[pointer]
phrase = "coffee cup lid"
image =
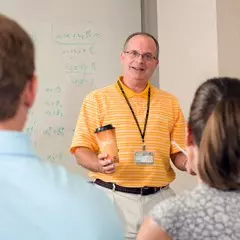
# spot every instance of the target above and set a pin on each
(104, 128)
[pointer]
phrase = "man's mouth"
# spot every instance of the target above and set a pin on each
(139, 69)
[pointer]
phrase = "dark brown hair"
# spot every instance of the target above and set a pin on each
(143, 34)
(215, 124)
(16, 65)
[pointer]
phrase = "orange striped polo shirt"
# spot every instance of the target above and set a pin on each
(165, 123)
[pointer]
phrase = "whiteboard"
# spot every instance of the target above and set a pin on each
(78, 44)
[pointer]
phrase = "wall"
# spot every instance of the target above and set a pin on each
(187, 33)
(149, 24)
(228, 26)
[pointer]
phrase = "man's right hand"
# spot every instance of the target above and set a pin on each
(106, 166)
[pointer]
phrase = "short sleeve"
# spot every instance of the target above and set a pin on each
(88, 121)
(166, 215)
(178, 128)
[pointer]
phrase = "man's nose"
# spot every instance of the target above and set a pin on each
(140, 58)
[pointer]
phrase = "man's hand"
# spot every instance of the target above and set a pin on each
(189, 168)
(181, 162)
(106, 165)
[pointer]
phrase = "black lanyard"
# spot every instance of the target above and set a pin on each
(134, 116)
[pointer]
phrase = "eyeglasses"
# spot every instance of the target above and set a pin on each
(145, 56)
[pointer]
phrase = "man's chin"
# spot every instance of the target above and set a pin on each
(140, 75)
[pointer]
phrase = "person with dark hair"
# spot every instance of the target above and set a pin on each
(146, 120)
(212, 209)
(39, 200)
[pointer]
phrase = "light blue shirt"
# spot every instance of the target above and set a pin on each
(39, 200)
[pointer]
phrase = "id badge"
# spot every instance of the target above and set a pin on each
(144, 157)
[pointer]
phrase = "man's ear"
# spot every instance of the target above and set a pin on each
(122, 57)
(30, 91)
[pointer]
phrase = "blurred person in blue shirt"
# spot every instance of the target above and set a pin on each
(39, 200)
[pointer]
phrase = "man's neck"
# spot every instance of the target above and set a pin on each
(14, 124)
(135, 85)
(11, 126)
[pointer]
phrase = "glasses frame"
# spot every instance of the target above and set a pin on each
(145, 56)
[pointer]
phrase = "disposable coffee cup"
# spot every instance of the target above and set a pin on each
(107, 142)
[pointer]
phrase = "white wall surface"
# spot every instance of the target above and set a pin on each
(187, 32)
(228, 22)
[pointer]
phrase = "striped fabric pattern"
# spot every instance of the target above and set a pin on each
(166, 123)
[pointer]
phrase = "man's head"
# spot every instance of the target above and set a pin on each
(140, 56)
(17, 81)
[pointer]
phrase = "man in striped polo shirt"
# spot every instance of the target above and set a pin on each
(147, 120)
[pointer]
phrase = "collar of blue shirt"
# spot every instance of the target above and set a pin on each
(14, 142)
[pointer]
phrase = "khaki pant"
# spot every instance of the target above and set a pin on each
(133, 207)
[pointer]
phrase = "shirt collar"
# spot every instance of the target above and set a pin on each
(13, 142)
(129, 92)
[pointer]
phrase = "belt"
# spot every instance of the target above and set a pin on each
(138, 190)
